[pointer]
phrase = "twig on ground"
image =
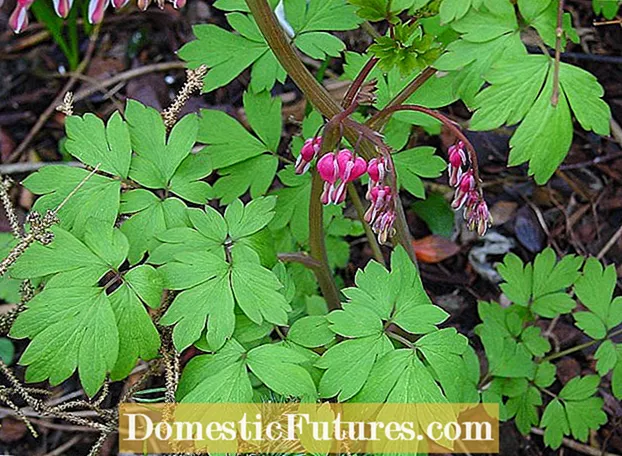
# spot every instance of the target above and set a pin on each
(28, 167)
(576, 446)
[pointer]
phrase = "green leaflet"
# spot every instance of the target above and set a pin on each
(224, 375)
(608, 8)
(244, 161)
(522, 89)
(158, 155)
(95, 144)
(194, 260)
(417, 163)
(575, 413)
(595, 290)
(541, 286)
(507, 348)
(69, 328)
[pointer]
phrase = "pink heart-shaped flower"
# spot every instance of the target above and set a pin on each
(327, 168)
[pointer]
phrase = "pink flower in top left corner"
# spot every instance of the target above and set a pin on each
(19, 18)
(96, 8)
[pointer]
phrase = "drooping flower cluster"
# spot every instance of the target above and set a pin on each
(19, 18)
(337, 169)
(468, 195)
(381, 213)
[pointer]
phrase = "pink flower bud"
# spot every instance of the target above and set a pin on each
(308, 152)
(143, 4)
(178, 3)
(457, 159)
(18, 20)
(62, 7)
(466, 184)
(119, 3)
(96, 10)
(328, 168)
(484, 219)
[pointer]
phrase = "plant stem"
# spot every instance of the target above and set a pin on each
(455, 129)
(559, 33)
(300, 258)
(371, 31)
(317, 245)
(360, 212)
(577, 348)
(400, 339)
(318, 96)
(354, 88)
(402, 97)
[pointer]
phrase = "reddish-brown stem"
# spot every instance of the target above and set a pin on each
(354, 88)
(402, 97)
(317, 245)
(450, 124)
(558, 52)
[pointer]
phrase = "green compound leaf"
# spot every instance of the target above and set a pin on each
(82, 326)
(595, 290)
(489, 36)
(94, 143)
(417, 163)
(541, 286)
(398, 297)
(243, 160)
(379, 298)
(227, 54)
(522, 89)
(194, 261)
(70, 328)
(158, 155)
(575, 413)
(224, 375)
